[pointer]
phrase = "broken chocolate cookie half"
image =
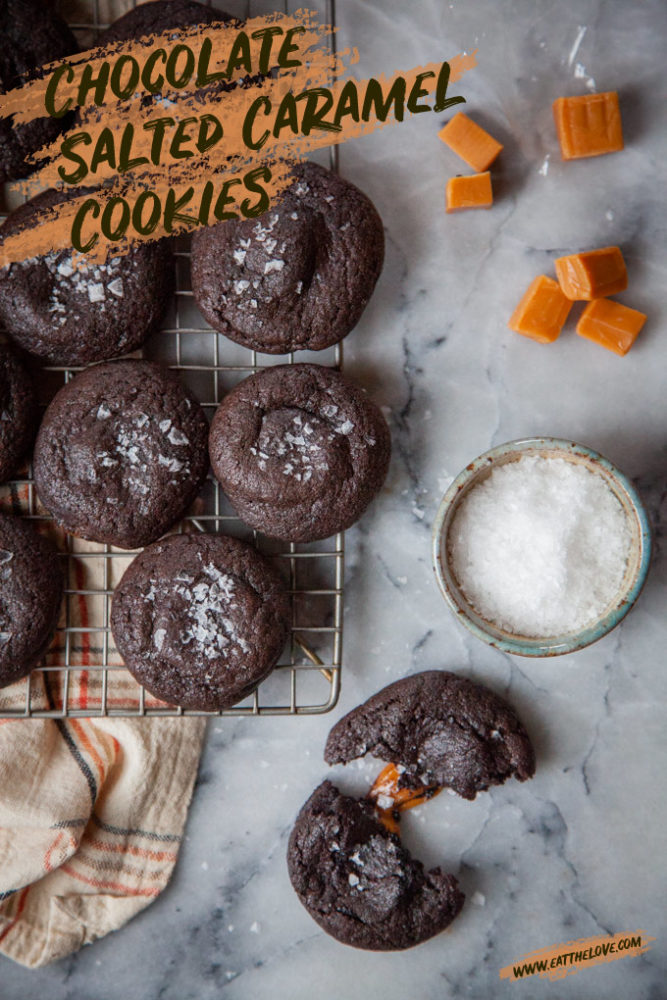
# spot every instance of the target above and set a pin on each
(345, 858)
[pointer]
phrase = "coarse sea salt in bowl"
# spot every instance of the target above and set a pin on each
(541, 546)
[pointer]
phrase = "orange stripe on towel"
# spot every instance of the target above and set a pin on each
(19, 911)
(86, 744)
(47, 857)
(138, 852)
(126, 890)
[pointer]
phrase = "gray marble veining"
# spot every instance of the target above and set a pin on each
(580, 849)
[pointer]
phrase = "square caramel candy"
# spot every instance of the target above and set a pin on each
(470, 141)
(592, 274)
(589, 125)
(541, 312)
(471, 191)
(611, 325)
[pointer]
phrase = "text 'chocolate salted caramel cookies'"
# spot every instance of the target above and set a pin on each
(299, 276)
(300, 450)
(200, 619)
(121, 453)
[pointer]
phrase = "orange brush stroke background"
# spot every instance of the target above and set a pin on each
(230, 158)
(583, 944)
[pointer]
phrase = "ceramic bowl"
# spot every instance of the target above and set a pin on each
(633, 580)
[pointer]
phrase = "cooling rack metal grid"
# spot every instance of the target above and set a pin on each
(82, 674)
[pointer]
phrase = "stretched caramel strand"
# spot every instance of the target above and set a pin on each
(386, 787)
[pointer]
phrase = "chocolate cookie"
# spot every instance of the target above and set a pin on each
(300, 451)
(68, 314)
(18, 413)
(200, 620)
(160, 15)
(357, 880)
(31, 589)
(32, 34)
(300, 276)
(442, 729)
(121, 453)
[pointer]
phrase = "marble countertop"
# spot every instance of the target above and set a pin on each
(577, 851)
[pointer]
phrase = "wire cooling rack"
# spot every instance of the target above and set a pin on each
(83, 674)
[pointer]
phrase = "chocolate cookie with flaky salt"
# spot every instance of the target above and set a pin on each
(160, 15)
(68, 312)
(121, 453)
(200, 620)
(31, 589)
(32, 35)
(299, 276)
(442, 730)
(18, 412)
(359, 882)
(300, 451)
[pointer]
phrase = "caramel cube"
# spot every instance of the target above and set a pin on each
(593, 274)
(470, 141)
(471, 191)
(542, 311)
(611, 325)
(588, 125)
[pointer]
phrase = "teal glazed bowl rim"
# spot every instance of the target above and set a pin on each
(638, 564)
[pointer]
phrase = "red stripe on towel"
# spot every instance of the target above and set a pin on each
(19, 911)
(126, 890)
(139, 852)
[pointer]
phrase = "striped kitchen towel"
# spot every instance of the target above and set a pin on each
(92, 809)
(91, 819)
